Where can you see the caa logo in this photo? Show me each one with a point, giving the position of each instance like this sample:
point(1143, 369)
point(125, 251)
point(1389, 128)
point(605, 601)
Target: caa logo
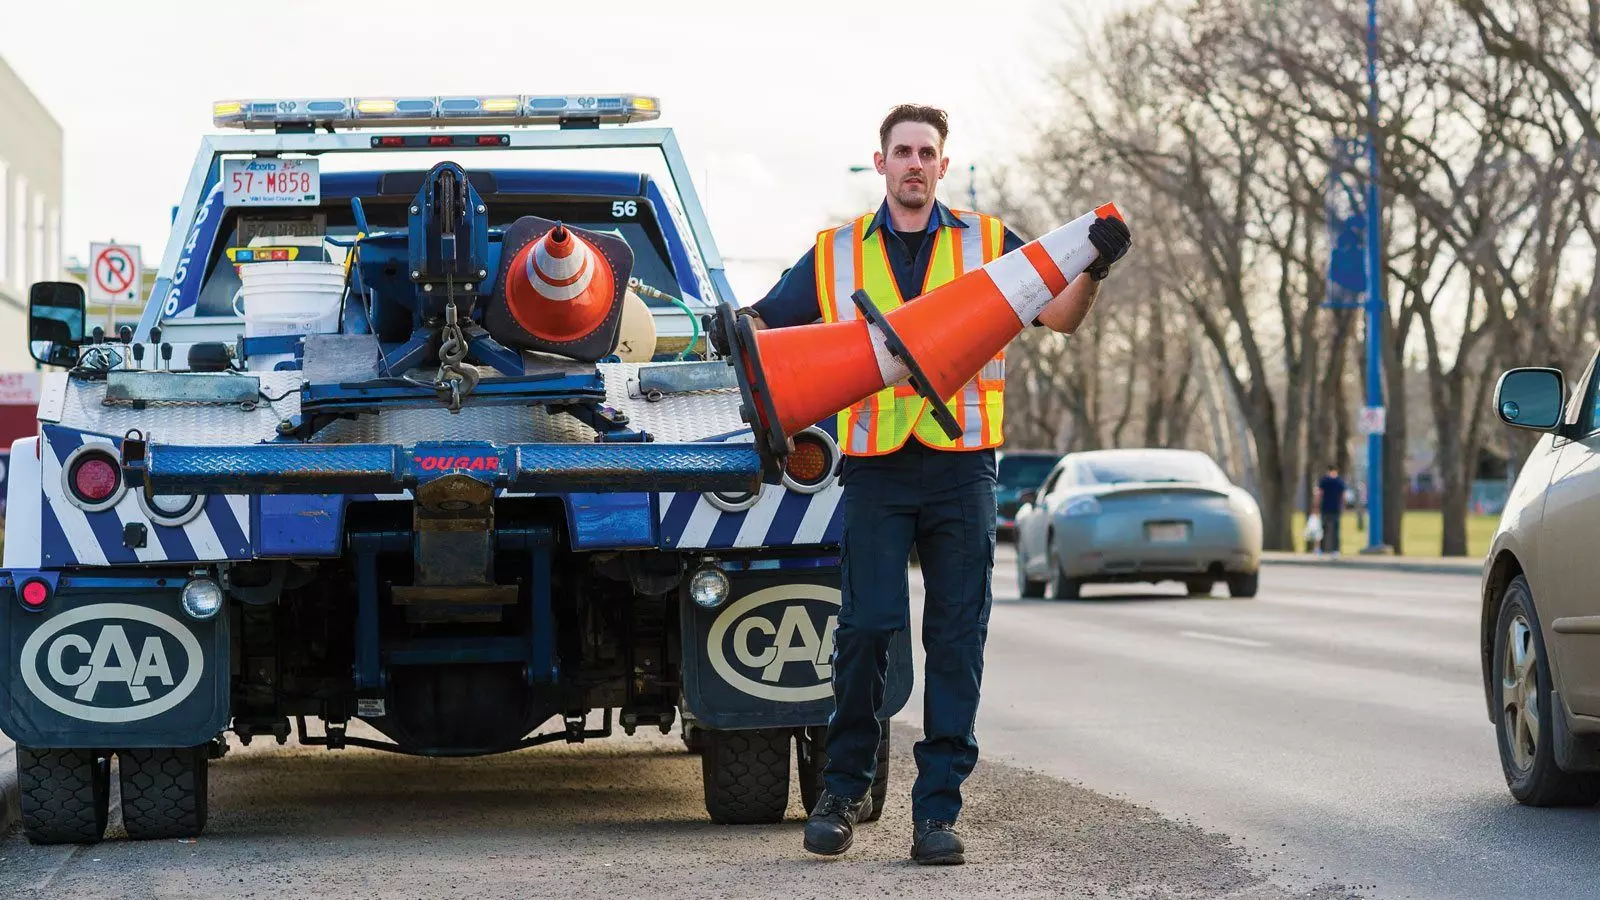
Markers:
point(112, 662)
point(777, 650)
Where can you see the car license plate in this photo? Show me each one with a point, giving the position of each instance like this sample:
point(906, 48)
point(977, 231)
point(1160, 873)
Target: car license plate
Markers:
point(271, 182)
point(1166, 532)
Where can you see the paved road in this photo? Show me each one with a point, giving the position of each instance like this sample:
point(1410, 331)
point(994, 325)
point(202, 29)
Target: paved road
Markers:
point(1335, 725)
point(1324, 740)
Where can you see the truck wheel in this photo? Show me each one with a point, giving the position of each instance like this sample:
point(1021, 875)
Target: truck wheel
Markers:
point(746, 775)
point(64, 793)
point(1524, 723)
point(1244, 584)
point(809, 766)
point(163, 791)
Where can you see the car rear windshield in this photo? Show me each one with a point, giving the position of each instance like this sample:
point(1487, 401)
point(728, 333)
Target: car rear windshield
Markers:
point(1159, 467)
point(1025, 471)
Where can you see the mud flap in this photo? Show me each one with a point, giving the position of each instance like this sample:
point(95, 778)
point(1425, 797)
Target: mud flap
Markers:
point(121, 670)
point(764, 658)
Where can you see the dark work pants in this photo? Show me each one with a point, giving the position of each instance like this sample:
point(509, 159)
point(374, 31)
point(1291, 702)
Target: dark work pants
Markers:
point(943, 501)
point(1330, 529)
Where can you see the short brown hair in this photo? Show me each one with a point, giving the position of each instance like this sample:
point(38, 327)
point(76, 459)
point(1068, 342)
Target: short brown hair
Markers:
point(914, 112)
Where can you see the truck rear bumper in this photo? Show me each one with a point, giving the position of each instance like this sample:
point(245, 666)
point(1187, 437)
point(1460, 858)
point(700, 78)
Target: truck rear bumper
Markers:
point(382, 468)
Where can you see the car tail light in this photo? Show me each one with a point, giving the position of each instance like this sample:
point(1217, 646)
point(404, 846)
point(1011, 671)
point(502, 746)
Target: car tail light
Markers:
point(34, 594)
point(93, 478)
point(809, 466)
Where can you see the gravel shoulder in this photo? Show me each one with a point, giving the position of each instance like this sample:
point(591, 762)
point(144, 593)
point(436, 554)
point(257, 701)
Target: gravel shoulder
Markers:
point(617, 818)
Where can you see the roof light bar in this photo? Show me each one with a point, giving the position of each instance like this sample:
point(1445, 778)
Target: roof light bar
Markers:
point(486, 109)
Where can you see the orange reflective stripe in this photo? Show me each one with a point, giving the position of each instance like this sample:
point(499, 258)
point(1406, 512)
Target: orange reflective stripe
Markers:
point(824, 267)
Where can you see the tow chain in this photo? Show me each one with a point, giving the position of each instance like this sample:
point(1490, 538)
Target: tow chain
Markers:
point(460, 380)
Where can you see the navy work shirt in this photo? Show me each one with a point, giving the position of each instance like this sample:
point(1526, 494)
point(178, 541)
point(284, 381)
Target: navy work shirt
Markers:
point(793, 300)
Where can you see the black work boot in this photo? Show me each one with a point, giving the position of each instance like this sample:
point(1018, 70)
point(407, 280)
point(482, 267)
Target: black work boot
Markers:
point(935, 843)
point(831, 829)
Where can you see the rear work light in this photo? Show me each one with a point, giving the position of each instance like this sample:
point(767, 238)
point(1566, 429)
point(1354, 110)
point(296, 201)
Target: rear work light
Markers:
point(810, 465)
point(92, 478)
point(34, 594)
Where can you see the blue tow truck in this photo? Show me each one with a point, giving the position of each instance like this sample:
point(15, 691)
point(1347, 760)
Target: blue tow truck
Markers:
point(388, 524)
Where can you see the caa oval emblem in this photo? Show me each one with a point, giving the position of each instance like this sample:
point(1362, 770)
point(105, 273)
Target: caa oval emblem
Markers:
point(112, 662)
point(777, 650)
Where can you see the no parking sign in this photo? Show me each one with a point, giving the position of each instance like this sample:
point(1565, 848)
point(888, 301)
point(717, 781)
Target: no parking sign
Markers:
point(114, 276)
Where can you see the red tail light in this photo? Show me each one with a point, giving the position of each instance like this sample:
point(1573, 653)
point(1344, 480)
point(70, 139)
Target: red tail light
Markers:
point(34, 594)
point(93, 478)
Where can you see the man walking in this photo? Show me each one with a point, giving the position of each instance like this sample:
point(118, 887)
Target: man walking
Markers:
point(907, 484)
point(1332, 490)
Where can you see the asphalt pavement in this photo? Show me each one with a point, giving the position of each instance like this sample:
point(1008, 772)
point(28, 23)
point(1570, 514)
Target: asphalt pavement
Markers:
point(1326, 739)
point(1335, 725)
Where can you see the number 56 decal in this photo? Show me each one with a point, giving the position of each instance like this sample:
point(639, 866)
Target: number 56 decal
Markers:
point(624, 209)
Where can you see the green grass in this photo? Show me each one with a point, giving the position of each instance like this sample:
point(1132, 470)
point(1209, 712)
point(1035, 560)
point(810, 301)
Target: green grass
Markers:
point(1421, 531)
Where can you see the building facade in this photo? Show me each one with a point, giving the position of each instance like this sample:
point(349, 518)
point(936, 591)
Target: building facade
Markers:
point(30, 210)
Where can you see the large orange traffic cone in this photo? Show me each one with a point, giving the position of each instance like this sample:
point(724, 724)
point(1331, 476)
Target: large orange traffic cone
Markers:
point(795, 377)
point(560, 289)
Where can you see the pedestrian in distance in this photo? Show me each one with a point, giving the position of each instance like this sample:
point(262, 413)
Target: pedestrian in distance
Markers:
point(906, 484)
point(1332, 490)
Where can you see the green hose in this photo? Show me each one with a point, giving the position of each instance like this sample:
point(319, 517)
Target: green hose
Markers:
point(694, 322)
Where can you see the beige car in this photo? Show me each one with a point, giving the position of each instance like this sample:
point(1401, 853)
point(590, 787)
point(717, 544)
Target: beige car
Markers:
point(1541, 595)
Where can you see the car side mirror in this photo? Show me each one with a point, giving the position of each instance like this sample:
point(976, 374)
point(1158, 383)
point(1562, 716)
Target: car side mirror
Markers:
point(55, 322)
point(1531, 398)
point(1028, 497)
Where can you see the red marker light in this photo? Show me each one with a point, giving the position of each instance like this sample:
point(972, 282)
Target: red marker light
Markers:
point(95, 479)
point(440, 140)
point(488, 140)
point(34, 594)
point(391, 141)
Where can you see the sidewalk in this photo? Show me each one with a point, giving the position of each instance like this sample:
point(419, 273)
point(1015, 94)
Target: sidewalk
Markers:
point(1432, 565)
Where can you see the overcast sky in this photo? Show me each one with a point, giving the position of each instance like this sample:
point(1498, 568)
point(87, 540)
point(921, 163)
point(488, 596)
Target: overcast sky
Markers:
point(771, 106)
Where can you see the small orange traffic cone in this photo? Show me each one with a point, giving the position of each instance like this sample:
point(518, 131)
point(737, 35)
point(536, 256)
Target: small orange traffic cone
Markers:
point(560, 289)
point(795, 377)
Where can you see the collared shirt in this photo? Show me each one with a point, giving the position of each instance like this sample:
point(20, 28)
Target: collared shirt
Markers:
point(793, 300)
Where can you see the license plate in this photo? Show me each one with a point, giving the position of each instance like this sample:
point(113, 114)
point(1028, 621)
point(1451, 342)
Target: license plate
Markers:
point(271, 182)
point(1166, 532)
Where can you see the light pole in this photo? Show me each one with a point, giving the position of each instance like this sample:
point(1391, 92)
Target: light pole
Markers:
point(1376, 313)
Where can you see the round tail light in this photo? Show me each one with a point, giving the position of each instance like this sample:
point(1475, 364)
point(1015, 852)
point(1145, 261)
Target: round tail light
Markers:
point(809, 466)
point(34, 594)
point(93, 478)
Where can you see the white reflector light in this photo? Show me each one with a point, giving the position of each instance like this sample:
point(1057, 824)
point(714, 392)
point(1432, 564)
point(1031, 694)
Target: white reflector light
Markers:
point(708, 588)
point(202, 597)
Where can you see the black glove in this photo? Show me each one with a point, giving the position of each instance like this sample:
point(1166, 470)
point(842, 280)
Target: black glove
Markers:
point(1112, 239)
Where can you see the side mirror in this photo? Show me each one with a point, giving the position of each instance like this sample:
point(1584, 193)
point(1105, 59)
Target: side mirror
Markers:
point(55, 322)
point(1531, 398)
point(1028, 497)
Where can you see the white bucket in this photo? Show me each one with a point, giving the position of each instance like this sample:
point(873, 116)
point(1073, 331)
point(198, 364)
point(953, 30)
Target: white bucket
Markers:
point(296, 297)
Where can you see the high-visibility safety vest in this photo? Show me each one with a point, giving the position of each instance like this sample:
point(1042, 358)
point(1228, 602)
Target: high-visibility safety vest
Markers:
point(881, 423)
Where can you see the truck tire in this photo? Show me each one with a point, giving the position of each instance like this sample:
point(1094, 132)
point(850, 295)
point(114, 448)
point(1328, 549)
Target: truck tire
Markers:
point(163, 791)
point(746, 775)
point(65, 795)
point(694, 739)
point(809, 766)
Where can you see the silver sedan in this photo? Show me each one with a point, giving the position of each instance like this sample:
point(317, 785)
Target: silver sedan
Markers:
point(1140, 516)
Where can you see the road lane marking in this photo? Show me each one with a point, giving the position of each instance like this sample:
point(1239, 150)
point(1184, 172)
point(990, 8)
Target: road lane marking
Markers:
point(1224, 639)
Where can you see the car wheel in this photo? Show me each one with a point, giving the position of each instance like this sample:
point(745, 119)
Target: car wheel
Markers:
point(1524, 727)
point(1244, 584)
point(1030, 588)
point(1064, 588)
point(1199, 587)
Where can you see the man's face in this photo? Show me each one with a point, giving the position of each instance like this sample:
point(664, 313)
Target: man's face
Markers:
point(912, 164)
